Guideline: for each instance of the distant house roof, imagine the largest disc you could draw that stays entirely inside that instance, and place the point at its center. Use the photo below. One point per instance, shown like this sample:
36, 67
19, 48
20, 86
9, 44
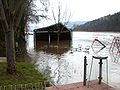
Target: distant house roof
53, 28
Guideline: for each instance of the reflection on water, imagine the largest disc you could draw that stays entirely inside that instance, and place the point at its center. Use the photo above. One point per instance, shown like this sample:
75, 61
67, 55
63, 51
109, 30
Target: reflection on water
53, 47
64, 62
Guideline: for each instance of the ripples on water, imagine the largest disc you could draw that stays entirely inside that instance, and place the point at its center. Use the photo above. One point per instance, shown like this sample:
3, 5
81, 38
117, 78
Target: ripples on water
64, 62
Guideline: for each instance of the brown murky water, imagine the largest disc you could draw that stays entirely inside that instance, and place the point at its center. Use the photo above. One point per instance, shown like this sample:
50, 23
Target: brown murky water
64, 62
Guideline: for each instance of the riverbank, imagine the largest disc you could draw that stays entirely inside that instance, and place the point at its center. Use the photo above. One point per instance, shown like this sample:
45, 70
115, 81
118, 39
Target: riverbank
26, 73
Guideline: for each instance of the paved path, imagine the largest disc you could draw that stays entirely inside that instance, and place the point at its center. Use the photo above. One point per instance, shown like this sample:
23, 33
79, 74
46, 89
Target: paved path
79, 86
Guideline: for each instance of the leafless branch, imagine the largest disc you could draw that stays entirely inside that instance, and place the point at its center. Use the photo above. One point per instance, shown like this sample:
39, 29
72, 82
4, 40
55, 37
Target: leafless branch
53, 16
3, 15
59, 13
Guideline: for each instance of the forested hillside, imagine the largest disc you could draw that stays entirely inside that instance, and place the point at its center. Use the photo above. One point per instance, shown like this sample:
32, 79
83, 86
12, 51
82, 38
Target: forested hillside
110, 23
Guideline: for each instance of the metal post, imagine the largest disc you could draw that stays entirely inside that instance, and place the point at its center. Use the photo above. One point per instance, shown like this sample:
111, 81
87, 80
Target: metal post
100, 71
85, 69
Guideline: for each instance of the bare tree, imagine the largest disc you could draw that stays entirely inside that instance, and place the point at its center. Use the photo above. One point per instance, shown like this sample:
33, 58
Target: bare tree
12, 15
62, 17
8, 16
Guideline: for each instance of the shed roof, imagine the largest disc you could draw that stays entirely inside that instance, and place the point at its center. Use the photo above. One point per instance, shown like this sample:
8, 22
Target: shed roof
55, 27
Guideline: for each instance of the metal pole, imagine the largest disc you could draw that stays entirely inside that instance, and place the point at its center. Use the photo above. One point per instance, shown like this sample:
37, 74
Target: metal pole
85, 69
100, 71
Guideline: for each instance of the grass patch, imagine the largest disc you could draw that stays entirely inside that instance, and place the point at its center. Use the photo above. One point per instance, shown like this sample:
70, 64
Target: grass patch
26, 73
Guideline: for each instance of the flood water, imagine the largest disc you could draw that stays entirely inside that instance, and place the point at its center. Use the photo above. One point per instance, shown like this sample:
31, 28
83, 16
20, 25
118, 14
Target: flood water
64, 62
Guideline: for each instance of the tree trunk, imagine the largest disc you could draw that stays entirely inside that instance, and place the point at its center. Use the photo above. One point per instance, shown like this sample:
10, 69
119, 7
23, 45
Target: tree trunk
58, 38
10, 52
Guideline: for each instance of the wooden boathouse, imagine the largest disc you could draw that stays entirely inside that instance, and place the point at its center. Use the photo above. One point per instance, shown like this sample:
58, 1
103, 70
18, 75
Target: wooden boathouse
52, 33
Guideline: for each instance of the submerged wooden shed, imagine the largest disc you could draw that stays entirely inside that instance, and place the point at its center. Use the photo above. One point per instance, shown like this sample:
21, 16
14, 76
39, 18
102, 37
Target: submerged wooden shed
52, 33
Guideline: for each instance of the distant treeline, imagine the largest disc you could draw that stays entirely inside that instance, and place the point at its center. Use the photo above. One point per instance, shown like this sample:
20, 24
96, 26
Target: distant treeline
109, 23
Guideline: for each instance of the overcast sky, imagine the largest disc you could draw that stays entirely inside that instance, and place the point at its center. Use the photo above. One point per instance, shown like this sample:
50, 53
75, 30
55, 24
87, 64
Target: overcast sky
84, 10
